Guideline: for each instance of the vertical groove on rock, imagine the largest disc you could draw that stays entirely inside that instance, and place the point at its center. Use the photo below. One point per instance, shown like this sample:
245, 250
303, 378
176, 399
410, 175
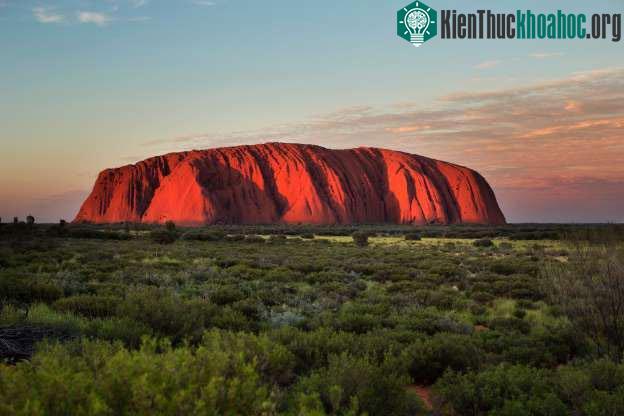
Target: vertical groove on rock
291, 183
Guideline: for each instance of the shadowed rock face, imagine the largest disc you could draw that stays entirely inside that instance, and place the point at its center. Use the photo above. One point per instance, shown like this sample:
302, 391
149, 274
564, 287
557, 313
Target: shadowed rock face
291, 183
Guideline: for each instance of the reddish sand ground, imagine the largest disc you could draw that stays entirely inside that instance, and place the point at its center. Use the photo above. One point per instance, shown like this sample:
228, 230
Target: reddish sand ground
424, 393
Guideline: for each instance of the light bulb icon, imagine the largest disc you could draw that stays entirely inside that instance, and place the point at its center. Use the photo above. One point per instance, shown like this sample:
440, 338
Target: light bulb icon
417, 22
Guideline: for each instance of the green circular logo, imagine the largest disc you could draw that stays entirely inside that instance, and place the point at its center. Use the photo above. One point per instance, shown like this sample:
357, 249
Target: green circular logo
417, 23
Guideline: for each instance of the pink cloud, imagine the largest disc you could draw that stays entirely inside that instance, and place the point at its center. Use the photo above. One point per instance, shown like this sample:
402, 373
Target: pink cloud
556, 144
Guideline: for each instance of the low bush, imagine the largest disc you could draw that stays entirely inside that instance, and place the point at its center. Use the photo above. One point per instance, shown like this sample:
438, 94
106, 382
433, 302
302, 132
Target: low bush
166, 313
254, 239
89, 233
277, 239
505, 246
164, 236
90, 306
510, 325
428, 359
360, 239
324, 327
235, 237
203, 236
352, 385
502, 390
24, 290
222, 375
412, 237
483, 242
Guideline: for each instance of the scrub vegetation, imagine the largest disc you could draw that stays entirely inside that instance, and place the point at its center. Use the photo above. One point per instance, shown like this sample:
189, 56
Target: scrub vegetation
376, 320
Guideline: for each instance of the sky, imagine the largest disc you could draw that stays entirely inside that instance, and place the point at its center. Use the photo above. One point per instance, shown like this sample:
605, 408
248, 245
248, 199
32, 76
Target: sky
92, 84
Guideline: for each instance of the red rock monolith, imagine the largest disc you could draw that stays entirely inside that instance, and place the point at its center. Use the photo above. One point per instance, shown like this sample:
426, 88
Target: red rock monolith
291, 183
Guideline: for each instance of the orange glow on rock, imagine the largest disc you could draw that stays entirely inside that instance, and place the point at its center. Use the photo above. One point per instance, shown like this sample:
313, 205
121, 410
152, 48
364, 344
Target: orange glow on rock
291, 183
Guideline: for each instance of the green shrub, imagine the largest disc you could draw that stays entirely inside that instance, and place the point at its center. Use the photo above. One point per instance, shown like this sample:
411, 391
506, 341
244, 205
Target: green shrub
412, 237
502, 390
601, 403
225, 295
357, 385
519, 313
588, 289
164, 236
431, 321
325, 277
121, 329
90, 306
504, 267
307, 318
204, 236
277, 239
231, 319
358, 318
58, 230
483, 242
44, 292
429, 358
25, 290
505, 246
595, 388
166, 313
312, 349
235, 237
218, 376
273, 361
254, 239
482, 297
360, 239
510, 325
89, 233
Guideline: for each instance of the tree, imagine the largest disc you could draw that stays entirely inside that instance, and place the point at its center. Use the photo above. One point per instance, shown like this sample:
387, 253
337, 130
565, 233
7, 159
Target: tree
412, 236
30, 220
170, 226
589, 289
360, 239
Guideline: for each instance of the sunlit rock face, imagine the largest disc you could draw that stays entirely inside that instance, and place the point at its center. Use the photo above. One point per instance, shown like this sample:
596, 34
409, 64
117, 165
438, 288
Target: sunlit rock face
291, 183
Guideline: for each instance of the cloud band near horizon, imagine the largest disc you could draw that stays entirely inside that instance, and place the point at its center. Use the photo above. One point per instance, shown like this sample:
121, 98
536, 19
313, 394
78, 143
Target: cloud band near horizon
553, 151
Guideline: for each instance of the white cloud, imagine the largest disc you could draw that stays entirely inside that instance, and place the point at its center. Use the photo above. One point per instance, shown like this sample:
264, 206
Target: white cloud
99, 19
139, 19
46, 15
203, 3
546, 55
138, 3
487, 64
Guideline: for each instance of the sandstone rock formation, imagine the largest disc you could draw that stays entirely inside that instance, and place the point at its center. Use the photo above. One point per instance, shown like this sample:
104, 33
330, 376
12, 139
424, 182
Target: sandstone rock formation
291, 183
